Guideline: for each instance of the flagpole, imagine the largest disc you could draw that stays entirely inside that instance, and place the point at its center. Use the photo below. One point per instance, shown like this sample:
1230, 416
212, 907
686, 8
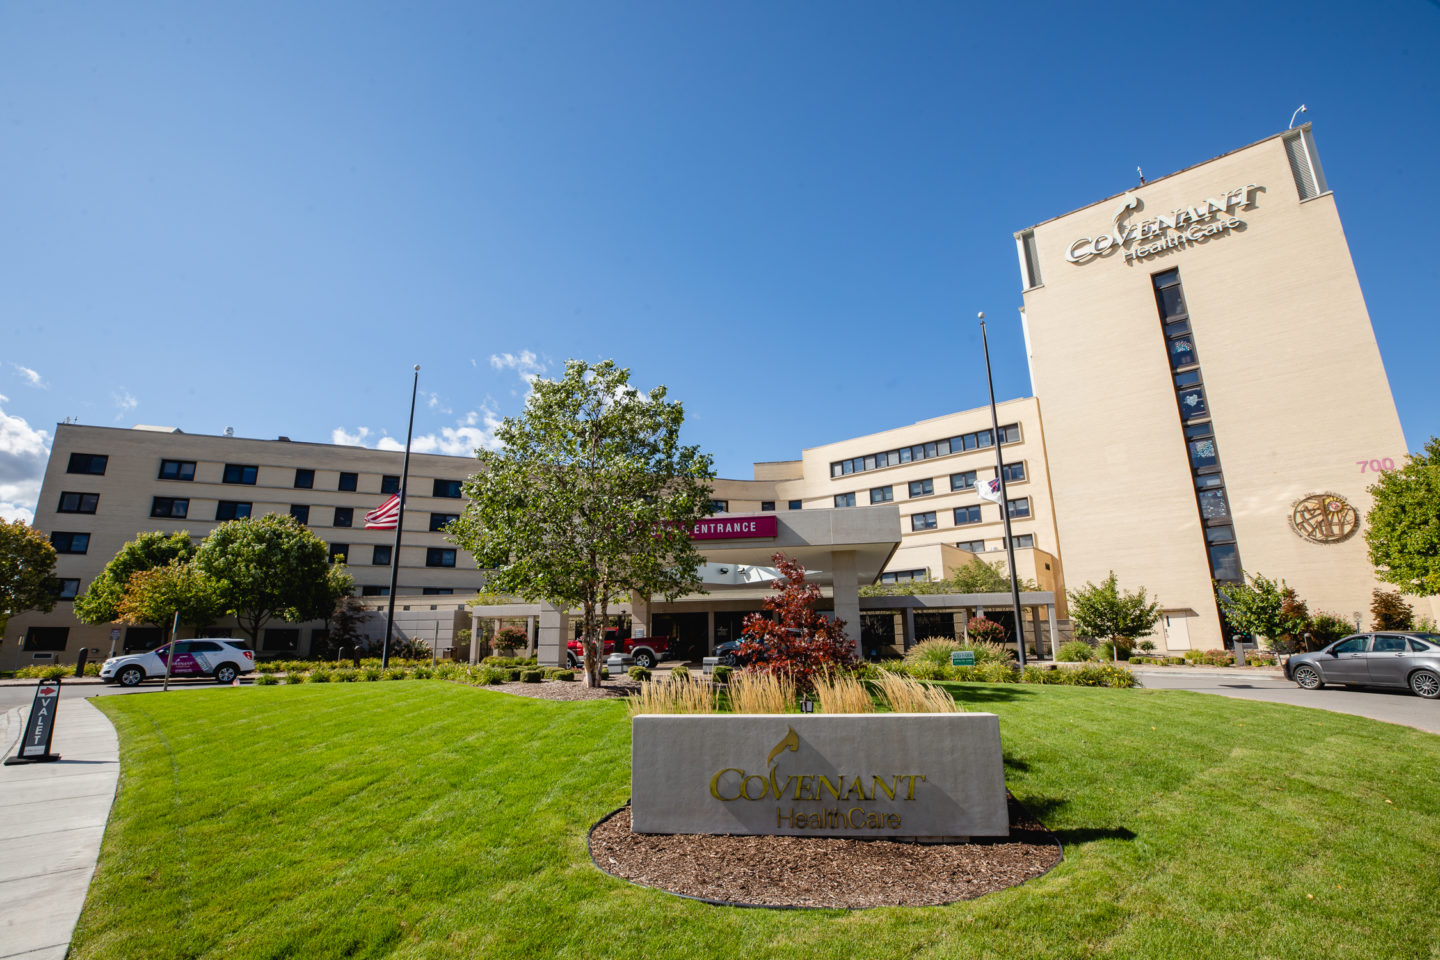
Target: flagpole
399, 526
1004, 498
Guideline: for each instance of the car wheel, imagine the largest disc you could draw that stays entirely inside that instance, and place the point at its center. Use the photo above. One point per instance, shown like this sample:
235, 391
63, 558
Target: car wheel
645, 659
729, 659
1425, 683
225, 673
130, 676
1308, 678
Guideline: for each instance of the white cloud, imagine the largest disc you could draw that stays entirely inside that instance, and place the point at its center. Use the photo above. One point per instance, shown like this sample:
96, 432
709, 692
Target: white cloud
474, 431
23, 454
124, 402
526, 364
31, 375
435, 403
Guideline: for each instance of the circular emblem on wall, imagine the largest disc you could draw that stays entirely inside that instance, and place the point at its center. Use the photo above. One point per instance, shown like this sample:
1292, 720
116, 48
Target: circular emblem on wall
1324, 518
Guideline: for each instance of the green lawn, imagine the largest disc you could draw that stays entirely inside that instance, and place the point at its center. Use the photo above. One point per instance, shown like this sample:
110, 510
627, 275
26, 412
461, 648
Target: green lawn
428, 819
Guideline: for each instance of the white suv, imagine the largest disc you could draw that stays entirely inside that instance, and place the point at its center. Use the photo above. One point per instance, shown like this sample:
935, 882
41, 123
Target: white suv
219, 659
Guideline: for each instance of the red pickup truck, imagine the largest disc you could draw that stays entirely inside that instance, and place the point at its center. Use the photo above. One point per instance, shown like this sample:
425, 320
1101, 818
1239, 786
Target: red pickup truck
647, 651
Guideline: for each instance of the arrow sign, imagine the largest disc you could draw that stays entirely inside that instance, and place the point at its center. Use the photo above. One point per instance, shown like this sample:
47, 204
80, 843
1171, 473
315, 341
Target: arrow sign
40, 728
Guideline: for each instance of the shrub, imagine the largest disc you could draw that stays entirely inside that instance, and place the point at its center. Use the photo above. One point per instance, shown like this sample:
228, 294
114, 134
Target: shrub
294, 676
1075, 651
680, 673
1174, 661
983, 630
371, 674
395, 673
931, 671
1099, 675
532, 676
55, 671
490, 676
935, 650
1105, 651
325, 676
1258, 659
997, 673
1194, 656
565, 675
266, 680
639, 673
264, 667
604, 673
422, 673
347, 675
722, 673
93, 669
1219, 658
512, 675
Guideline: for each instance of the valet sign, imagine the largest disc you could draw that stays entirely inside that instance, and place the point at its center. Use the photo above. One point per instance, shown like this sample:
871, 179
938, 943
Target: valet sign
890, 776
1138, 240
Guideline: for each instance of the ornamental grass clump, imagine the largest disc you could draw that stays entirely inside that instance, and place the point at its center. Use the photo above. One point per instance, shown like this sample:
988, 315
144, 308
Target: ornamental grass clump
294, 676
1075, 651
322, 675
908, 695
266, 680
752, 692
674, 696
842, 693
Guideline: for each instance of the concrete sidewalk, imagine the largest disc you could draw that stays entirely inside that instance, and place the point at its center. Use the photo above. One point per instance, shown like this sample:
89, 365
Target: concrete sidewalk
52, 818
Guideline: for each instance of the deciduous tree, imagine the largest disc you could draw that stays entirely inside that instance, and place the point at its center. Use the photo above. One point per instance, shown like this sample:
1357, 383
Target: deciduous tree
27, 570
100, 603
798, 642
591, 496
1105, 612
1389, 612
267, 567
158, 594
1262, 607
1402, 528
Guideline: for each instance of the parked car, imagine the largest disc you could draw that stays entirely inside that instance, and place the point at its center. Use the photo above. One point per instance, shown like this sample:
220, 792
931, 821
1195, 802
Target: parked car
730, 655
1399, 659
647, 651
219, 659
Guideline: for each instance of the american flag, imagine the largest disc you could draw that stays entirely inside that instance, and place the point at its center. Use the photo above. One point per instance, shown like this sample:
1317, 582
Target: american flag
385, 516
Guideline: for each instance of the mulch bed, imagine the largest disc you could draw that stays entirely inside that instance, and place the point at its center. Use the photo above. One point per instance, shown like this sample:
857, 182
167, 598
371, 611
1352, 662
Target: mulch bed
569, 689
823, 872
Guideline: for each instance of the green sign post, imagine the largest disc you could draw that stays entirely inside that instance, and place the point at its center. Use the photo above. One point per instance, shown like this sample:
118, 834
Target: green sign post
962, 658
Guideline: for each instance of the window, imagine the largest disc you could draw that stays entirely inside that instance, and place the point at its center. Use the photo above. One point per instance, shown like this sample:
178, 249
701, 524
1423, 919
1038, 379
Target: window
1182, 351
339, 551
767, 506
232, 510
1014, 472
964, 515
1213, 505
389, 483
1352, 645
46, 638
447, 488
963, 481
280, 640
173, 507
344, 516
1384, 644
844, 499
439, 557
1420, 646
1169, 296
70, 542
904, 576
373, 591
1010, 433
87, 463
240, 473
381, 556
78, 502
68, 588
882, 495
794, 505
974, 546
304, 479
1029, 259
1225, 562
1023, 540
719, 506
922, 521
921, 488
1019, 507
436, 591
1192, 403
1202, 453
438, 521
177, 470
349, 481
142, 638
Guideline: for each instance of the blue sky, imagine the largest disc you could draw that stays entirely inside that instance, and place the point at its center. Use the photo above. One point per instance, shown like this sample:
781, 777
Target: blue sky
262, 215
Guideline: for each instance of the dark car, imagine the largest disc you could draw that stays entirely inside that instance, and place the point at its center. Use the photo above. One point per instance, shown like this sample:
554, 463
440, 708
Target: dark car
1373, 660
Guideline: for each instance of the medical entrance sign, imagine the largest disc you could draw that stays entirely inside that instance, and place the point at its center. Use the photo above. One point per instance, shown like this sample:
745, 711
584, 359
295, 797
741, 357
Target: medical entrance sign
890, 776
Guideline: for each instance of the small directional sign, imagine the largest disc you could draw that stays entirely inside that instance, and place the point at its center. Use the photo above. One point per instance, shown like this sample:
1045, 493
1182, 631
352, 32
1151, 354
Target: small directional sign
962, 658
40, 728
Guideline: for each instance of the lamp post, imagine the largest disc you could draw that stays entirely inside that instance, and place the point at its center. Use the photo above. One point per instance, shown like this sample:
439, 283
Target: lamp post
1004, 500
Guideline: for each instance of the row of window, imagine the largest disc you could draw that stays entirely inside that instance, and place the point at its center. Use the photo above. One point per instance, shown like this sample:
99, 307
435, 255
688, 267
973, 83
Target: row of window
1014, 473
382, 552
904, 576
1010, 433
1020, 540
1198, 429
178, 508
766, 506
964, 516
248, 473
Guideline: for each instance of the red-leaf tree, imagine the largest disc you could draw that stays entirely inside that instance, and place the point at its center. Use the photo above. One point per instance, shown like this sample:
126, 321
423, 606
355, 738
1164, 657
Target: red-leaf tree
985, 630
799, 642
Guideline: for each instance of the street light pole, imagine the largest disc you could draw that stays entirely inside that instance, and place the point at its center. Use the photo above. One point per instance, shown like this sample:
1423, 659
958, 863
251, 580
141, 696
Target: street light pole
1004, 500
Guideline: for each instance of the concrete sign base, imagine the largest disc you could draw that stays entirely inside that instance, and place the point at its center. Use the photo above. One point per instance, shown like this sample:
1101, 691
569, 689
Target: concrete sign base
892, 776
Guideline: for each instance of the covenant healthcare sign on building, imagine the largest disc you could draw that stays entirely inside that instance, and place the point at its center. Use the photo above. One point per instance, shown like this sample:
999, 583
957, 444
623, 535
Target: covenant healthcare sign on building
890, 776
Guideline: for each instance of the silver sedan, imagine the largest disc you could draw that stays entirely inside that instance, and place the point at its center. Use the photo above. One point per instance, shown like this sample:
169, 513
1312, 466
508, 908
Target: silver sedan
1373, 660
